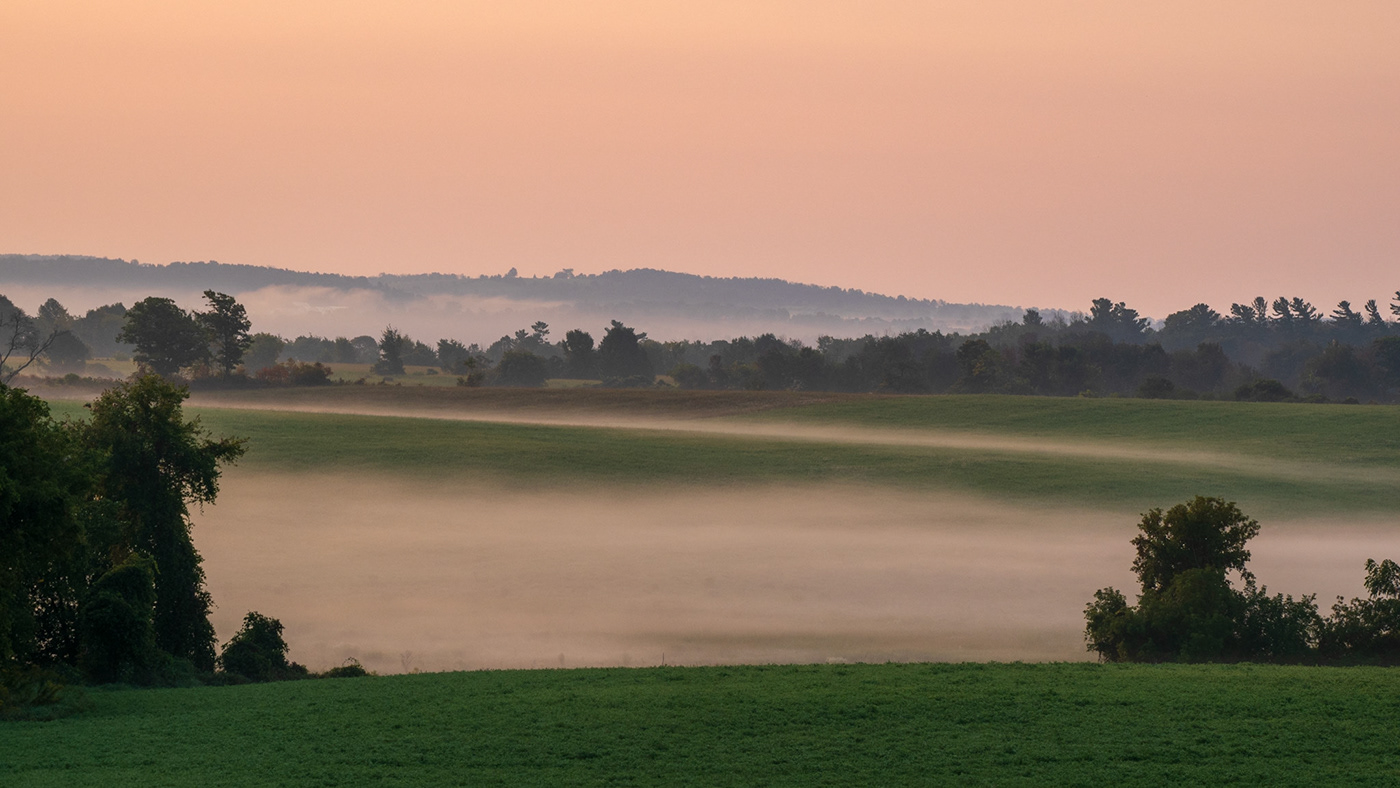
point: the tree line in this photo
(1273, 350)
(1198, 601)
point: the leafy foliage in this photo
(167, 338)
(1189, 611)
(226, 324)
(154, 464)
(257, 652)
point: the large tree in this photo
(155, 463)
(167, 338)
(620, 354)
(226, 324)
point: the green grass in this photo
(533, 455)
(1052, 724)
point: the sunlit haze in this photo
(1031, 153)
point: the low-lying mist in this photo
(410, 577)
(291, 311)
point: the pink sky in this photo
(1034, 153)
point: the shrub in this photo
(351, 669)
(257, 652)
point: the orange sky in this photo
(1013, 152)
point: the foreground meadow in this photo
(1003, 724)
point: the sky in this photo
(1025, 153)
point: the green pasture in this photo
(1003, 724)
(529, 455)
(1334, 434)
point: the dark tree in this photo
(155, 463)
(454, 357)
(167, 338)
(392, 346)
(226, 324)
(1373, 315)
(263, 351)
(1202, 533)
(67, 353)
(1118, 321)
(1367, 630)
(99, 329)
(521, 368)
(257, 652)
(580, 361)
(53, 317)
(620, 354)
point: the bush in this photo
(1156, 388)
(33, 693)
(1367, 630)
(351, 669)
(258, 653)
(295, 373)
(1267, 390)
(521, 368)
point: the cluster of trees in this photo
(159, 333)
(98, 571)
(1189, 608)
(100, 580)
(1284, 349)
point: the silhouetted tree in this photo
(257, 652)
(521, 368)
(167, 338)
(391, 352)
(620, 355)
(580, 361)
(226, 324)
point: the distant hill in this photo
(666, 303)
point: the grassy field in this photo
(1335, 434)
(1003, 724)
(1301, 460)
(1363, 434)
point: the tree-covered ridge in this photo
(642, 289)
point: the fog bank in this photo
(406, 577)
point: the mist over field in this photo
(404, 576)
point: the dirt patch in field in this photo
(407, 577)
